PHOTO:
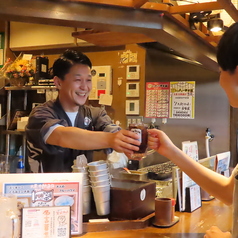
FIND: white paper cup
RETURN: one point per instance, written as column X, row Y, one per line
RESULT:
column 86, row 182
column 97, row 165
column 99, row 178
column 76, row 169
column 100, row 183
column 98, row 172
column 87, row 194
column 101, row 196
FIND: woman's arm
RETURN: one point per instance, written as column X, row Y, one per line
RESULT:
column 215, row 184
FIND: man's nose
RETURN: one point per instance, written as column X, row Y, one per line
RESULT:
column 83, row 84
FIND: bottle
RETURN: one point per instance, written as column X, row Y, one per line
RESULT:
column 20, row 165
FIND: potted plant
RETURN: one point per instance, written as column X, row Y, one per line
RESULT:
column 20, row 71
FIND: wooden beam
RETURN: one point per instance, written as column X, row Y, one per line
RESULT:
column 156, row 6
column 121, row 3
column 215, row 39
column 138, row 3
column 156, row 26
column 197, row 7
column 230, row 8
column 181, row 19
column 112, row 38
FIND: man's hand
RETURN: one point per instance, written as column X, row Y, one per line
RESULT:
column 125, row 141
column 215, row 232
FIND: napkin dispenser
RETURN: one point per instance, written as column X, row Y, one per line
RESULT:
column 131, row 200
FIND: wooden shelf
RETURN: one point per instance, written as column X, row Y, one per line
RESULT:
column 29, row 87
column 13, row 132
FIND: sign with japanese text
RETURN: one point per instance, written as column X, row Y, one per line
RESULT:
column 182, row 99
column 49, row 195
column 46, row 222
column 157, row 99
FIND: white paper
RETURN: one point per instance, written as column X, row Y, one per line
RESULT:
column 27, row 56
column 105, row 99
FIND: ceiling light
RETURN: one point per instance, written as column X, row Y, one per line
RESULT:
column 215, row 24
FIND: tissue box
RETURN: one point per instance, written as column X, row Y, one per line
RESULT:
column 131, row 200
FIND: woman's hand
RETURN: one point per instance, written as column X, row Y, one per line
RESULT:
column 215, row 232
column 160, row 142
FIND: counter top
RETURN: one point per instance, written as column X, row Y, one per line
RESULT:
column 193, row 224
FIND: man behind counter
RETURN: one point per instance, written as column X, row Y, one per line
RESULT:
column 60, row 130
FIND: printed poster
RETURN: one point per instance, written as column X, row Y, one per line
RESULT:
column 191, row 149
column 157, row 99
column 182, row 99
column 46, row 222
column 48, row 195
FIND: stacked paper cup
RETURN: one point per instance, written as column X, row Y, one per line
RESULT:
column 87, row 191
column 100, row 183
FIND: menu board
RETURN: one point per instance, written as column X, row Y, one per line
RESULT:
column 170, row 99
column 45, row 222
column 50, row 194
column 157, row 99
column 182, row 99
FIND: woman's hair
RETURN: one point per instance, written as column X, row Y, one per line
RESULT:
column 68, row 59
column 227, row 54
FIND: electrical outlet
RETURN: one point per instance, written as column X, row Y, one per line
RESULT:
column 128, row 121
column 133, row 120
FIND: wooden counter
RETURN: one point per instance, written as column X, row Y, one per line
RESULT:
column 190, row 225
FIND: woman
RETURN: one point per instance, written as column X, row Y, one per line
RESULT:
column 219, row 186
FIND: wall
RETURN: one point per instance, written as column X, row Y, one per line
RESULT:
column 40, row 36
column 211, row 105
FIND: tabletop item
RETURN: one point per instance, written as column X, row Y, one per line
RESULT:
column 131, row 199
column 164, row 212
column 9, row 216
column 100, row 184
column 159, row 171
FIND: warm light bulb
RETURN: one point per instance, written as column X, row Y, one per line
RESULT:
column 216, row 29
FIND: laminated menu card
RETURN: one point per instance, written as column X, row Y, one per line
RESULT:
column 50, row 194
column 45, row 222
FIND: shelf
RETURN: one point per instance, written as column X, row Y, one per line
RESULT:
column 29, row 87
column 13, row 132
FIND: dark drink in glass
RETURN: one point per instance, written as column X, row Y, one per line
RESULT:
column 141, row 130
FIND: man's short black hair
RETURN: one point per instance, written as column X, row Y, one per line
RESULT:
column 69, row 58
column 227, row 54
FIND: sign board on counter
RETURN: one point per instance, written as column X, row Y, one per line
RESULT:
column 41, row 222
column 48, row 189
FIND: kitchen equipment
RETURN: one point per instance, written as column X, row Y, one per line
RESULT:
column 159, row 171
column 133, row 175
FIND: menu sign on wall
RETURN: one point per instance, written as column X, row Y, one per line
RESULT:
column 157, row 99
column 182, row 98
column 170, row 99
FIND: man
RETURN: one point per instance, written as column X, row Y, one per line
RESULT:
column 214, row 183
column 59, row 130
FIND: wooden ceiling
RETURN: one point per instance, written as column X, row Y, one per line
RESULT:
column 127, row 21
column 180, row 13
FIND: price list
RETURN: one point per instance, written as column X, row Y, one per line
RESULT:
column 157, row 99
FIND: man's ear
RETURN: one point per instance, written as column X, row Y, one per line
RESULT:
column 57, row 82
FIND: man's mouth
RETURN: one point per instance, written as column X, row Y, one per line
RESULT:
column 81, row 94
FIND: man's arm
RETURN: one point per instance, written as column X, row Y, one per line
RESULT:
column 80, row 139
